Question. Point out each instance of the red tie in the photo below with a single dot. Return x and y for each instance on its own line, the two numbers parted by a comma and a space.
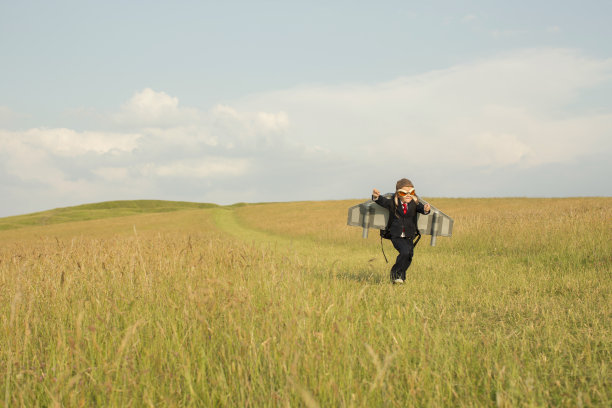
405, 208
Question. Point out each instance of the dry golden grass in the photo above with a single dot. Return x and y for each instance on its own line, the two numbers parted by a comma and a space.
282, 304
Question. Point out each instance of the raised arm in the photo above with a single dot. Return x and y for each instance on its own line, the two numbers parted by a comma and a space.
375, 194
423, 209
381, 199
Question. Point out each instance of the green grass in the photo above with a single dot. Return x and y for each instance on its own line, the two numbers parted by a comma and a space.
108, 209
252, 305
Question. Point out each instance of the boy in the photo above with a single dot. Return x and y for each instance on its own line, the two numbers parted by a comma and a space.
403, 208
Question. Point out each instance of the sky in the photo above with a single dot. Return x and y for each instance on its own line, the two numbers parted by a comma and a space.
257, 101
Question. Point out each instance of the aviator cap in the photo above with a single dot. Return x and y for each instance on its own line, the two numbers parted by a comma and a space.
403, 183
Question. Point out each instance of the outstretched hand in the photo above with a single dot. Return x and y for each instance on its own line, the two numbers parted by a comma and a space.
427, 207
375, 194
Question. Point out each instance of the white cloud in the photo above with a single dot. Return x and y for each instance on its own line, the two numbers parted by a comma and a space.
187, 136
68, 142
201, 168
159, 115
510, 109
176, 150
251, 129
273, 122
46, 163
151, 108
25, 161
498, 150
151, 103
252, 122
112, 173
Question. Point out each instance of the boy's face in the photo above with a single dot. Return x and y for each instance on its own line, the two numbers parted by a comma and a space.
405, 194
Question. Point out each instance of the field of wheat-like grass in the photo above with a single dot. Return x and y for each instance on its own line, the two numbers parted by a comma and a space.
282, 304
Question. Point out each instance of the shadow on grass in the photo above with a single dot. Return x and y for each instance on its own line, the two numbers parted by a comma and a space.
366, 276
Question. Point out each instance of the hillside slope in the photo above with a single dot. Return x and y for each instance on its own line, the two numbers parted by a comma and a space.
108, 209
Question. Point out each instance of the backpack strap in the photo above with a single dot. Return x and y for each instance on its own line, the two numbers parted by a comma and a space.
417, 239
383, 249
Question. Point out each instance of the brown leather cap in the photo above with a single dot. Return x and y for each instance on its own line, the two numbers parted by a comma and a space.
403, 183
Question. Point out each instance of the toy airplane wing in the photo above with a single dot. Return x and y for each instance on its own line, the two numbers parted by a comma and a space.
371, 215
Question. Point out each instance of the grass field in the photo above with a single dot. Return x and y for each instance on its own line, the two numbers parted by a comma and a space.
282, 304
108, 209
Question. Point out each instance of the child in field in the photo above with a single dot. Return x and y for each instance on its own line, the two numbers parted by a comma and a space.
403, 208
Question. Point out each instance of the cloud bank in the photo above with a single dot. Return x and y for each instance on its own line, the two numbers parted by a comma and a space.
521, 123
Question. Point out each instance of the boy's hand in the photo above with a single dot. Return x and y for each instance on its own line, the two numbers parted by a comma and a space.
427, 207
375, 194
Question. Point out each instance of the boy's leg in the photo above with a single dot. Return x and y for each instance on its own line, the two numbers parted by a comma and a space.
408, 257
395, 269
405, 247
394, 273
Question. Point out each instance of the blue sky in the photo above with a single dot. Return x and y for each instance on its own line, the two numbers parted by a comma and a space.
280, 101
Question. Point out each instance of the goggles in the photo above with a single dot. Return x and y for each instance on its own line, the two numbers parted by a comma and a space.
403, 193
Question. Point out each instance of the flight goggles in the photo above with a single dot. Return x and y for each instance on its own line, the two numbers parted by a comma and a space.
404, 193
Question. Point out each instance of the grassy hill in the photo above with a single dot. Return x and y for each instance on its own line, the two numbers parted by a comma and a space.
96, 211
284, 305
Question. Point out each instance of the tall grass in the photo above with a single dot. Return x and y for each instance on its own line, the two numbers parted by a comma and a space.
282, 304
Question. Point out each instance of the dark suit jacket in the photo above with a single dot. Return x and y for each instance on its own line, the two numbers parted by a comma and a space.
401, 222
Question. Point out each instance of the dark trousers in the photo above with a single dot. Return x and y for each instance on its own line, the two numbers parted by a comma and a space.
405, 247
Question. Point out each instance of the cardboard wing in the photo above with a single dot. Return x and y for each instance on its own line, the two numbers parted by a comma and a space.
371, 215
